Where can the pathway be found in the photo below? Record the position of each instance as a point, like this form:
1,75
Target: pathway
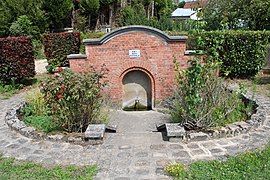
135,152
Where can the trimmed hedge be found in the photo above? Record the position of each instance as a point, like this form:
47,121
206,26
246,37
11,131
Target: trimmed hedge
59,45
242,53
16,59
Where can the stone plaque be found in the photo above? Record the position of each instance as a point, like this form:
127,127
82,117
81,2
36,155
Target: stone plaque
95,131
134,53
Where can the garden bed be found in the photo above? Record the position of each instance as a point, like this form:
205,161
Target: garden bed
173,132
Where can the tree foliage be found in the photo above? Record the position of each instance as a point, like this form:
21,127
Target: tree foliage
23,27
57,12
241,14
10,10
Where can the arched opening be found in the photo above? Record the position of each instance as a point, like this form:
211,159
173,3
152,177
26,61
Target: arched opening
137,91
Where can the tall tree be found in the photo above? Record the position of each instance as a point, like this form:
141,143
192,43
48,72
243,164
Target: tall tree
89,8
10,10
241,14
57,12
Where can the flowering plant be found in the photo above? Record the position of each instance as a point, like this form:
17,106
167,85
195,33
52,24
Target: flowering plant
74,99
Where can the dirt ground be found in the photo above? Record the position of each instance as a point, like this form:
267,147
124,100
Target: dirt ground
40,66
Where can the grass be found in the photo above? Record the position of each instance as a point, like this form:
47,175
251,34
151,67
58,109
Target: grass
43,123
254,86
8,90
14,169
250,165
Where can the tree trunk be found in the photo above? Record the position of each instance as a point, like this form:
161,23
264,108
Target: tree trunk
148,11
89,22
97,23
153,8
111,9
73,17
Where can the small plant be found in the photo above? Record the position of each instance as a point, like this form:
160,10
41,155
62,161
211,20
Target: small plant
74,100
9,89
201,99
35,112
176,170
35,103
43,123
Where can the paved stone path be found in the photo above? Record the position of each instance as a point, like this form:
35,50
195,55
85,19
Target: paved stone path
135,152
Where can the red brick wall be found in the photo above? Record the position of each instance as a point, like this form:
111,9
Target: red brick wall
156,60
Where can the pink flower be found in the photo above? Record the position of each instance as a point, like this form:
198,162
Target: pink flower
60,96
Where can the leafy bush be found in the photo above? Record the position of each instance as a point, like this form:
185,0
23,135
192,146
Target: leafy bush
58,45
74,99
242,53
201,99
23,27
16,59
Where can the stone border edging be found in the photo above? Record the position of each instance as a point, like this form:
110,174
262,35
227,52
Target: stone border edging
16,124
230,130
234,129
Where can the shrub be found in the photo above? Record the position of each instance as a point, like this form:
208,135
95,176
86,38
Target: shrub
201,99
74,99
23,27
242,53
35,103
16,59
58,45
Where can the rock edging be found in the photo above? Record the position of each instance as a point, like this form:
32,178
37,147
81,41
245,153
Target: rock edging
230,130
16,124
257,119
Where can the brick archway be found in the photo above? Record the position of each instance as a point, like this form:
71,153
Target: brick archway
154,50
151,100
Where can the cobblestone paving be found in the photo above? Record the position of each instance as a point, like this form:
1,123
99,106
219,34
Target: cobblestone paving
135,152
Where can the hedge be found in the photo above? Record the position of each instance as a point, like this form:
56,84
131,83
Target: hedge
58,45
242,53
16,59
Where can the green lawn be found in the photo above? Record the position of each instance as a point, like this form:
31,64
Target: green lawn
14,169
248,165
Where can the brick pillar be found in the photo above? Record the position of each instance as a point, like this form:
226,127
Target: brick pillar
77,62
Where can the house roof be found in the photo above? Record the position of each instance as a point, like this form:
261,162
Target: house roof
195,4
181,12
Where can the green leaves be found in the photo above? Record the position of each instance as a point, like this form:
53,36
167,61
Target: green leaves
201,100
56,51
16,59
242,53
80,98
